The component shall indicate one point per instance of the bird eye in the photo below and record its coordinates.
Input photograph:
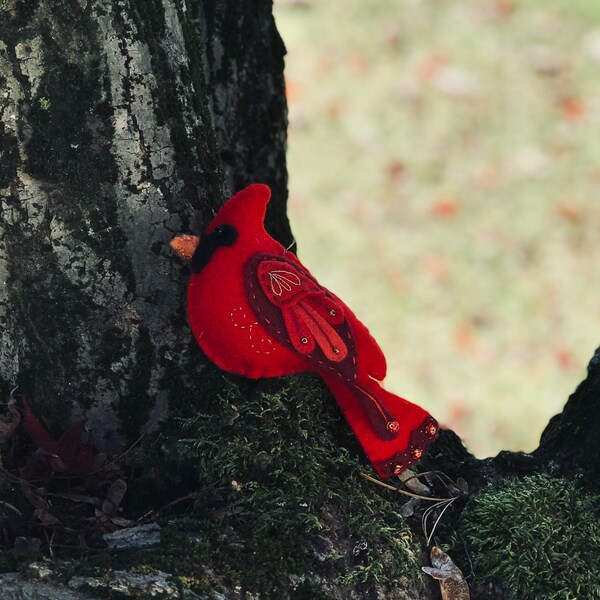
(224, 235)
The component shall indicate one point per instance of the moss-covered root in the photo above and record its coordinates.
(535, 538)
(295, 519)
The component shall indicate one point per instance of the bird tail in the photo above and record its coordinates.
(392, 431)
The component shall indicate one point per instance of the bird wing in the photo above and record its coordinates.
(299, 312)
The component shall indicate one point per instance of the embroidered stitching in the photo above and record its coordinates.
(284, 280)
(250, 328)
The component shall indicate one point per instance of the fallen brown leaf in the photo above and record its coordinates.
(114, 496)
(573, 109)
(444, 207)
(452, 583)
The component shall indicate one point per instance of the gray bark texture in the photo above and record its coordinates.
(122, 123)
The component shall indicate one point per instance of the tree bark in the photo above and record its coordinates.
(121, 124)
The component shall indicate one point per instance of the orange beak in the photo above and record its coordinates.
(185, 245)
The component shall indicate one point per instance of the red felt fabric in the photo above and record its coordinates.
(256, 311)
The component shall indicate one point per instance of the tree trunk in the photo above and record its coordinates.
(121, 124)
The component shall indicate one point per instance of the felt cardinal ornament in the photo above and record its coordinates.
(256, 311)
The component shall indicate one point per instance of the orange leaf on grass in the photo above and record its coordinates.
(569, 213)
(334, 109)
(487, 179)
(436, 266)
(358, 63)
(444, 207)
(464, 338)
(502, 8)
(459, 411)
(293, 90)
(573, 109)
(398, 282)
(395, 171)
(430, 66)
(564, 358)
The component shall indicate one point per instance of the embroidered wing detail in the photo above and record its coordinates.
(281, 281)
(312, 320)
(295, 309)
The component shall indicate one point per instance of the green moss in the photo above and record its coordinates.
(12, 562)
(68, 106)
(289, 496)
(538, 537)
(279, 507)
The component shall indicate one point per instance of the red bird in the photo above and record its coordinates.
(256, 311)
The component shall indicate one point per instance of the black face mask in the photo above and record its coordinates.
(222, 236)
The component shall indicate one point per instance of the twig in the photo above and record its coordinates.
(119, 457)
(152, 514)
(13, 508)
(400, 491)
(429, 511)
(439, 502)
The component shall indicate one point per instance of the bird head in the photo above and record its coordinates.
(240, 221)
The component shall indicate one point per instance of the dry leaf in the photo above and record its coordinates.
(497, 9)
(395, 170)
(464, 338)
(414, 484)
(81, 498)
(64, 455)
(41, 511)
(408, 508)
(436, 266)
(564, 358)
(573, 109)
(121, 521)
(46, 518)
(459, 410)
(114, 496)
(444, 207)
(27, 545)
(452, 583)
(431, 65)
(570, 213)
(32, 497)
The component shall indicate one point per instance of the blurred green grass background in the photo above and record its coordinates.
(444, 160)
